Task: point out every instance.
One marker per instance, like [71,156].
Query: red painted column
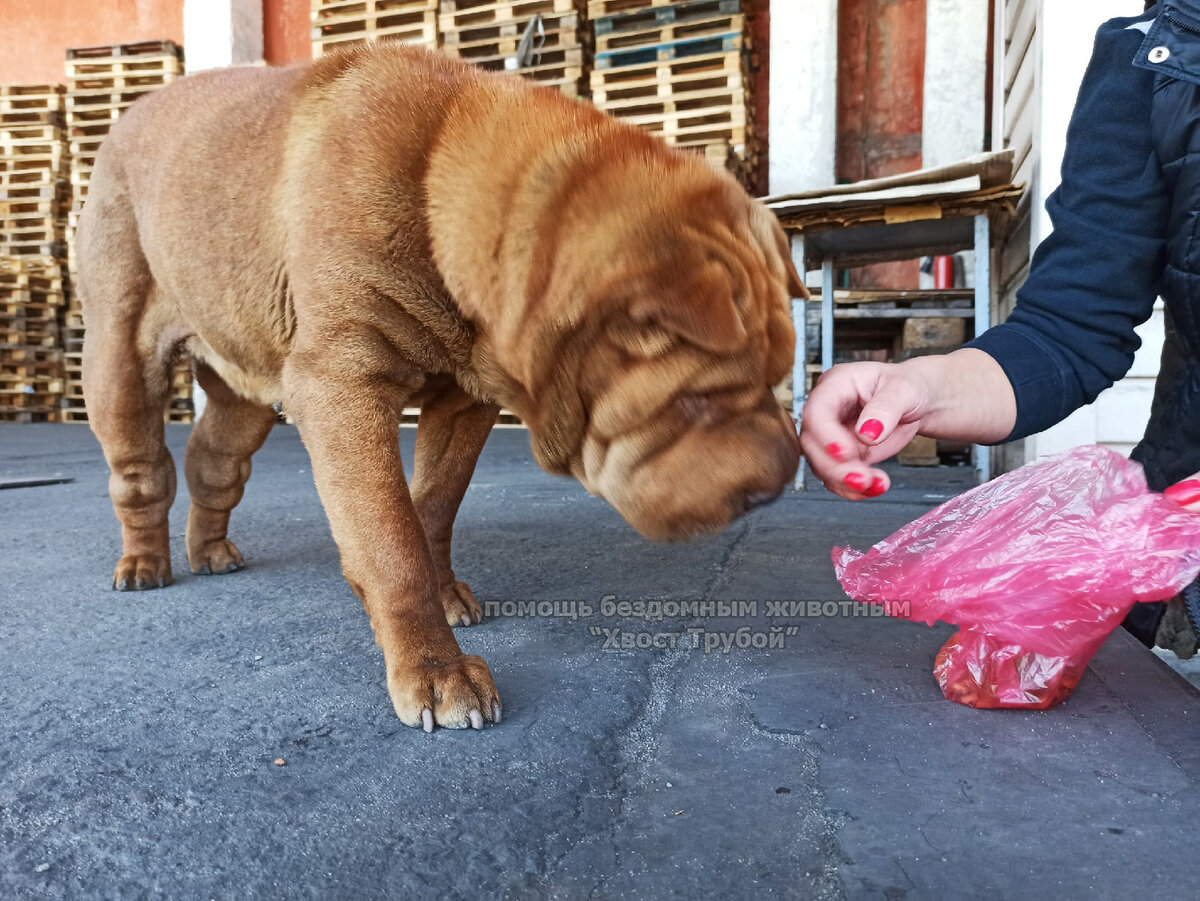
[881,75]
[287,31]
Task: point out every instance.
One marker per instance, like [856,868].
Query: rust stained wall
[287,31]
[881,88]
[881,52]
[35,34]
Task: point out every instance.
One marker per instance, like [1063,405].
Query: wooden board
[468,13]
[640,56]
[672,32]
[406,27]
[599,8]
[123,52]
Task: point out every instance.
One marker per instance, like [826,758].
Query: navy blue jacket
[1125,231]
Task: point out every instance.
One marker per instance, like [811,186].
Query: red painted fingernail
[855,480]
[835,450]
[1184,493]
[871,429]
[878,487]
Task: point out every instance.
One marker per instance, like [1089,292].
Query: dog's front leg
[452,431]
[349,420]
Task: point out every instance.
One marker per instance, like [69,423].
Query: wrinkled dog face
[683,434]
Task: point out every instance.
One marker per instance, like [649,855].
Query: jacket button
[1159,54]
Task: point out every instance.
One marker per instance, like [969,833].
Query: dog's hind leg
[450,434]
[230,430]
[126,382]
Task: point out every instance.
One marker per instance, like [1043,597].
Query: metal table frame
[853,246]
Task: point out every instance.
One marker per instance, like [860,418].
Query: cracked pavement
[139,731]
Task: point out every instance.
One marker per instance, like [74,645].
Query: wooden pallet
[565,79]
[116,82]
[558,29]
[35,248]
[598,9]
[12,182]
[74,411]
[30,386]
[625,86]
[15,208]
[470,13]
[549,59]
[58,191]
[647,17]
[92,99]
[338,11]
[671,33]
[24,99]
[18,133]
[496,44]
[45,414]
[639,56]
[409,27]
[122,53]
[28,118]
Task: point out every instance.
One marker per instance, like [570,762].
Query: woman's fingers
[855,417]
[1186,493]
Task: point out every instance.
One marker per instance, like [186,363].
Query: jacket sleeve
[1097,275]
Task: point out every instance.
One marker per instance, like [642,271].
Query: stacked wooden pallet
[102,82]
[681,71]
[31,362]
[489,34]
[34,198]
[34,169]
[347,23]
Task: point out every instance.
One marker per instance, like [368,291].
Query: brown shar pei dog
[387,228]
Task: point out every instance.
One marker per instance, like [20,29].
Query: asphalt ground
[139,731]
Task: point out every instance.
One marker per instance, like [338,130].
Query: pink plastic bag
[1038,567]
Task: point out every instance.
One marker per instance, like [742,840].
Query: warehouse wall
[35,34]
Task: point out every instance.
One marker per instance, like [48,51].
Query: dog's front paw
[219,555]
[455,694]
[140,572]
[458,600]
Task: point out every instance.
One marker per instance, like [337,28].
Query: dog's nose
[756,499]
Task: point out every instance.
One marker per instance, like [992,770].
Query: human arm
[1072,334]
[862,413]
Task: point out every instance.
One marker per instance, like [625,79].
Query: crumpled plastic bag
[1038,567]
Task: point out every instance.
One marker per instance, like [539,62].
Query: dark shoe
[1177,630]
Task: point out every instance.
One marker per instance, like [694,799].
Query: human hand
[862,413]
[1186,493]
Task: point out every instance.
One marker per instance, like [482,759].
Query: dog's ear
[769,232]
[699,308]
[795,284]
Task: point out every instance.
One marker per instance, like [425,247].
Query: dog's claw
[205,570]
[232,568]
[123,585]
[466,620]
[495,712]
[427,719]
[476,719]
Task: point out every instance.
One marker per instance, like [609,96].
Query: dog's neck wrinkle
[283,309]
